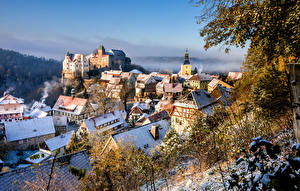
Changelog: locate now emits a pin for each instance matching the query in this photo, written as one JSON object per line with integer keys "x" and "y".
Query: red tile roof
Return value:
{"x": 69, "y": 103}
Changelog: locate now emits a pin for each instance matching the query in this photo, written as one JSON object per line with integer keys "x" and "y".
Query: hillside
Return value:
{"x": 24, "y": 75}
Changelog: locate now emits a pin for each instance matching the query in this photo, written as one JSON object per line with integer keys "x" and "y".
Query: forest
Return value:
{"x": 24, "y": 75}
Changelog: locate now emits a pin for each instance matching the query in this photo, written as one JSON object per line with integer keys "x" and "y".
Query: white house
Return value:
{"x": 29, "y": 133}
{"x": 113, "y": 121}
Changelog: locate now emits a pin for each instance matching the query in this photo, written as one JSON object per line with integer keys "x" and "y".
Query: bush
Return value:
{"x": 266, "y": 169}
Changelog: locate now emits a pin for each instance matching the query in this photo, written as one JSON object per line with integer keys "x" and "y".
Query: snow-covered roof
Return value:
{"x": 114, "y": 72}
{"x": 36, "y": 113}
{"x": 59, "y": 141}
{"x": 204, "y": 77}
{"x": 173, "y": 87}
{"x": 213, "y": 83}
{"x": 101, "y": 120}
{"x": 199, "y": 99}
{"x": 135, "y": 71}
{"x": 42, "y": 157}
{"x": 202, "y": 98}
{"x": 94, "y": 106}
{"x": 9, "y": 99}
{"x": 140, "y": 105}
{"x": 143, "y": 78}
{"x": 141, "y": 136}
{"x": 106, "y": 77}
{"x": 19, "y": 130}
{"x": 15, "y": 179}
{"x": 40, "y": 105}
{"x": 143, "y": 117}
{"x": 69, "y": 104}
{"x": 60, "y": 120}
{"x": 117, "y": 52}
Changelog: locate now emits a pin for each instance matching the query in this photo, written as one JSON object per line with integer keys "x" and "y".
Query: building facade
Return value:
{"x": 11, "y": 108}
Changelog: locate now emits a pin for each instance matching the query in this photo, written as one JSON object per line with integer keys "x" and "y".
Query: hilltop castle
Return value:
{"x": 79, "y": 66}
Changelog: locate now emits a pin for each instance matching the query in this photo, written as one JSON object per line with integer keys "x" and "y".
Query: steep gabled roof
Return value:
{"x": 194, "y": 77}
{"x": 199, "y": 99}
{"x": 69, "y": 104}
{"x": 9, "y": 99}
{"x": 213, "y": 84}
{"x": 141, "y": 136}
{"x": 202, "y": 98}
{"x": 59, "y": 141}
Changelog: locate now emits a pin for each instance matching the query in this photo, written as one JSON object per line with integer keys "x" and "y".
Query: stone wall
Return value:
{"x": 30, "y": 143}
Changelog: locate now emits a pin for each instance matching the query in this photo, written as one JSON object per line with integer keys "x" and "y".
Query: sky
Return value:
{"x": 50, "y": 28}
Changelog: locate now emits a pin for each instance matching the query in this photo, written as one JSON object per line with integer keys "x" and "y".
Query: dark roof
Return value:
{"x": 202, "y": 98}
{"x": 38, "y": 174}
{"x": 159, "y": 116}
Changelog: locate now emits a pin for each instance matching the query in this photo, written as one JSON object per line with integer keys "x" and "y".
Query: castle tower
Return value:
{"x": 186, "y": 67}
{"x": 101, "y": 50}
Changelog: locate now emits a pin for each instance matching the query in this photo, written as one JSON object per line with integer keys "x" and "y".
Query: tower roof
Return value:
{"x": 186, "y": 58}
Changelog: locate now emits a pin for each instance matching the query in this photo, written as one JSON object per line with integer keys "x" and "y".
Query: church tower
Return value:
{"x": 186, "y": 67}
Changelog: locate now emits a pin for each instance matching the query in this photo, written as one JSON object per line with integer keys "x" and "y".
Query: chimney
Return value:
{"x": 154, "y": 132}
{"x": 73, "y": 92}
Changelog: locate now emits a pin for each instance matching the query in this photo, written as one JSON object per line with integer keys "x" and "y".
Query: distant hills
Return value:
{"x": 25, "y": 75}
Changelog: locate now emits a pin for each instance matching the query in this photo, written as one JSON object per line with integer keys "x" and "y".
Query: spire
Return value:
{"x": 186, "y": 57}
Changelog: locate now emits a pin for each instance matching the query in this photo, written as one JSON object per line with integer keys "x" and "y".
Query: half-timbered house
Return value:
{"x": 185, "y": 111}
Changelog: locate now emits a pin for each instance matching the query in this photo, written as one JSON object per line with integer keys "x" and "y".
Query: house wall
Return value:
{"x": 30, "y": 143}
{"x": 182, "y": 118}
{"x": 75, "y": 69}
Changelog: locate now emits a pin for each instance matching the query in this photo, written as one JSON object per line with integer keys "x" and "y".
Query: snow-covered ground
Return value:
{"x": 187, "y": 177}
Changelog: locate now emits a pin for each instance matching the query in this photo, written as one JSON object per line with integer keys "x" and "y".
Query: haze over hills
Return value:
{"x": 172, "y": 63}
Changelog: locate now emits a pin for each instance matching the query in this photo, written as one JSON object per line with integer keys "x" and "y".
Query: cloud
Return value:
{"x": 56, "y": 47}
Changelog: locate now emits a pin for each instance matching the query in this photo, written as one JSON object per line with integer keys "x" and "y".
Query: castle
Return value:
{"x": 79, "y": 66}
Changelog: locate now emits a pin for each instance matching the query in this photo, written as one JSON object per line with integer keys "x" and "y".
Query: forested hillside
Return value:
{"x": 25, "y": 75}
